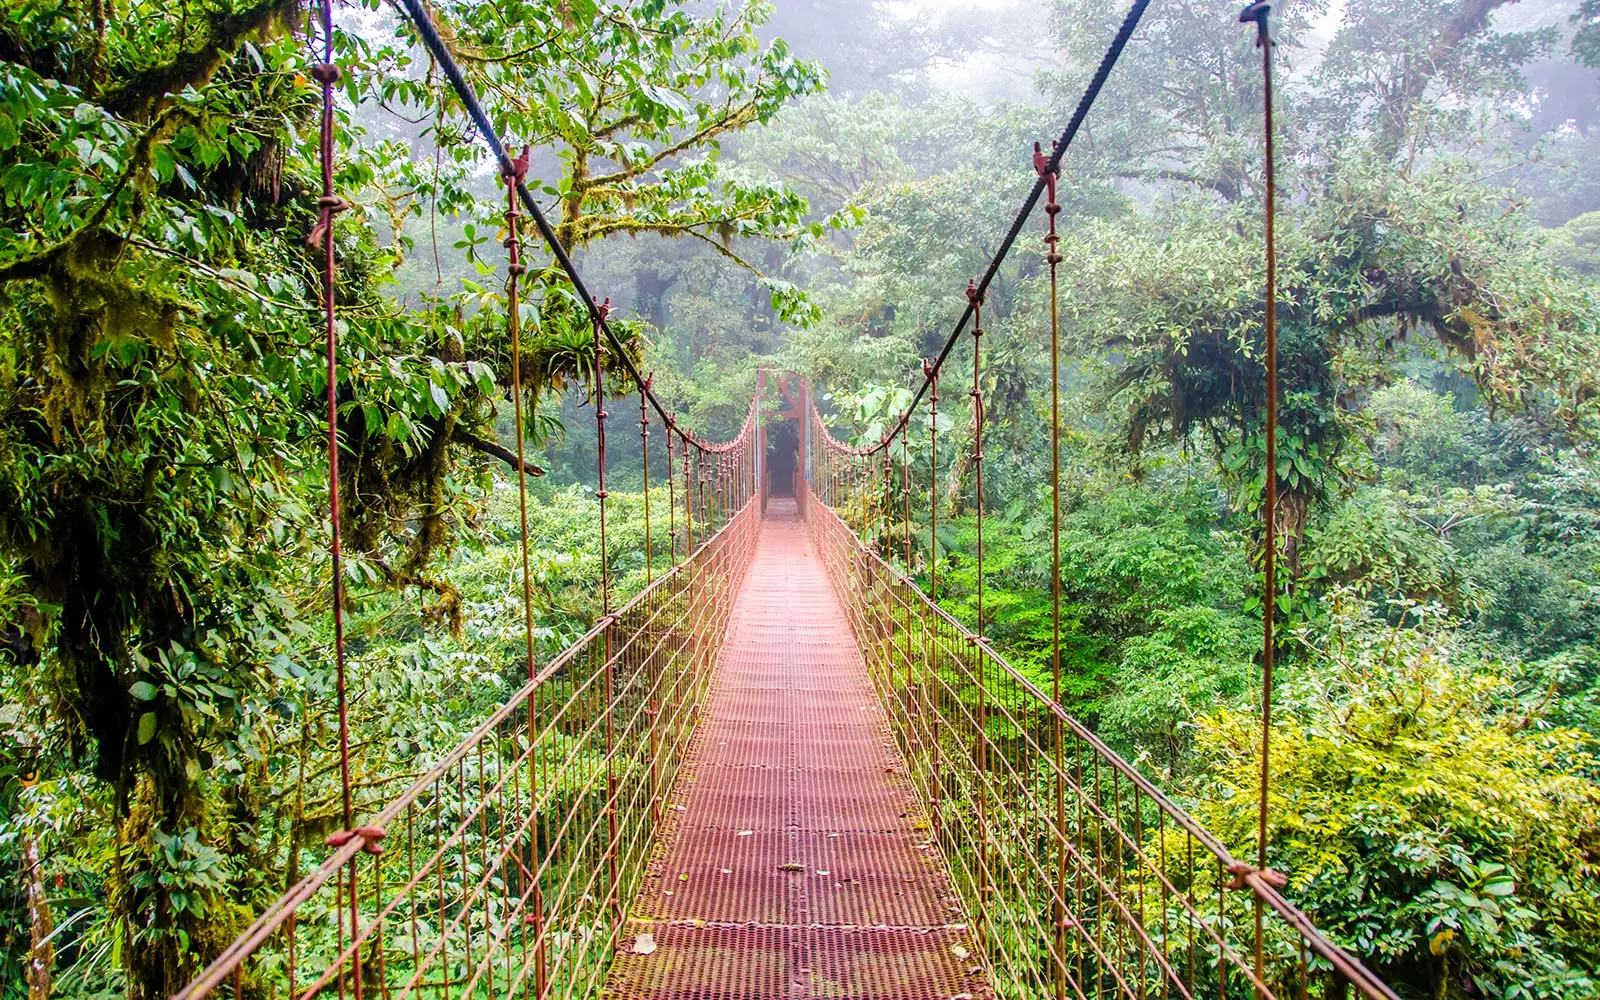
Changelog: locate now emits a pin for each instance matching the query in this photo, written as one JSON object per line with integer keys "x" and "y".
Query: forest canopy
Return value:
{"x": 806, "y": 185}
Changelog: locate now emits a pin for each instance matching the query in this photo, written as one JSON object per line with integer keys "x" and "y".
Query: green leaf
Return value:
{"x": 1500, "y": 887}
{"x": 147, "y": 727}
{"x": 143, "y": 691}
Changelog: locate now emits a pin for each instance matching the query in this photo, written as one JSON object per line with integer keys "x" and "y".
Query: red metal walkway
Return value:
{"x": 797, "y": 863}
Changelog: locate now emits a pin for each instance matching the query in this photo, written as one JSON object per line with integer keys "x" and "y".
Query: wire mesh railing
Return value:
{"x": 1082, "y": 879}
{"x": 506, "y": 868}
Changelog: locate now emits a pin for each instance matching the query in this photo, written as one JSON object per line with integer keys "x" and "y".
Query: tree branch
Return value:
{"x": 196, "y": 64}
{"x": 727, "y": 252}
{"x": 138, "y": 160}
{"x": 735, "y": 119}
{"x": 494, "y": 450}
{"x": 1227, "y": 189}
{"x": 1471, "y": 18}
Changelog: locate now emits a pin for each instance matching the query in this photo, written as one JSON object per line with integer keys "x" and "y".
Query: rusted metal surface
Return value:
{"x": 1115, "y": 892}
{"x": 504, "y": 867}
{"x": 799, "y": 864}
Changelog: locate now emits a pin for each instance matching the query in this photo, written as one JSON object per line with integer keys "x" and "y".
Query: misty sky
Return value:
{"x": 988, "y": 76}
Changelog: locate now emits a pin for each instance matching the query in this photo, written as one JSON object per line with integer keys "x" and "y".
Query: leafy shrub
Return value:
{"x": 1423, "y": 811}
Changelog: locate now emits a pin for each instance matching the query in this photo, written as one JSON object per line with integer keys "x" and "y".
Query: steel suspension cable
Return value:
{"x": 1058, "y": 151}
{"x": 417, "y": 13}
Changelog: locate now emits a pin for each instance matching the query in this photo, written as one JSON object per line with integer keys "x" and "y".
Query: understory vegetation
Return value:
{"x": 806, "y": 185}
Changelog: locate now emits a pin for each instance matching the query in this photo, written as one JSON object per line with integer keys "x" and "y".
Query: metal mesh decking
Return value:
{"x": 798, "y": 864}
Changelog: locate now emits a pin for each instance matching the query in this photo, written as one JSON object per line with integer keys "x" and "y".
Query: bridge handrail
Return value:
{"x": 332, "y": 868}
{"x": 1246, "y": 875}
{"x": 1353, "y": 970}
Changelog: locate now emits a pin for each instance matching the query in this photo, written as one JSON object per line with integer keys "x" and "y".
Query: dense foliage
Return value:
{"x": 163, "y": 494}
{"x": 1435, "y": 800}
{"x": 165, "y": 674}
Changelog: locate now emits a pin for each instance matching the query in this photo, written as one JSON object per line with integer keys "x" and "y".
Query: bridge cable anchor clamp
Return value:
{"x": 1241, "y": 872}
{"x": 1258, "y": 12}
{"x": 1041, "y": 164}
{"x": 328, "y": 205}
{"x": 370, "y": 837}
{"x": 514, "y": 172}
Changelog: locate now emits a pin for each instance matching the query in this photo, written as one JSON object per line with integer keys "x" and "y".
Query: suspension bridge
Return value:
{"x": 782, "y": 769}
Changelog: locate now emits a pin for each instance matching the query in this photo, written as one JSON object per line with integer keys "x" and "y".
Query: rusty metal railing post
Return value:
{"x": 1052, "y": 208}
{"x": 653, "y": 667}
{"x": 881, "y": 594}
{"x": 931, "y": 374}
{"x": 613, "y": 887}
{"x": 1259, "y": 13}
{"x": 321, "y": 238}
{"x": 688, "y": 501}
{"x": 514, "y": 270}
{"x": 905, "y": 498}
{"x": 981, "y": 750}
{"x": 672, "y": 498}
{"x": 644, "y": 452}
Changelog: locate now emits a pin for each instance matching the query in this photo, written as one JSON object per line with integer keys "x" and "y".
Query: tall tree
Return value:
{"x": 161, "y": 377}
{"x": 1387, "y": 231}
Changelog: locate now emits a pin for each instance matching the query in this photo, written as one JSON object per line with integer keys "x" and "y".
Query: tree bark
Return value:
{"x": 1470, "y": 19}
{"x": 491, "y": 448}
{"x": 41, "y": 951}
{"x": 140, "y": 94}
{"x": 1294, "y": 508}
{"x": 650, "y": 295}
